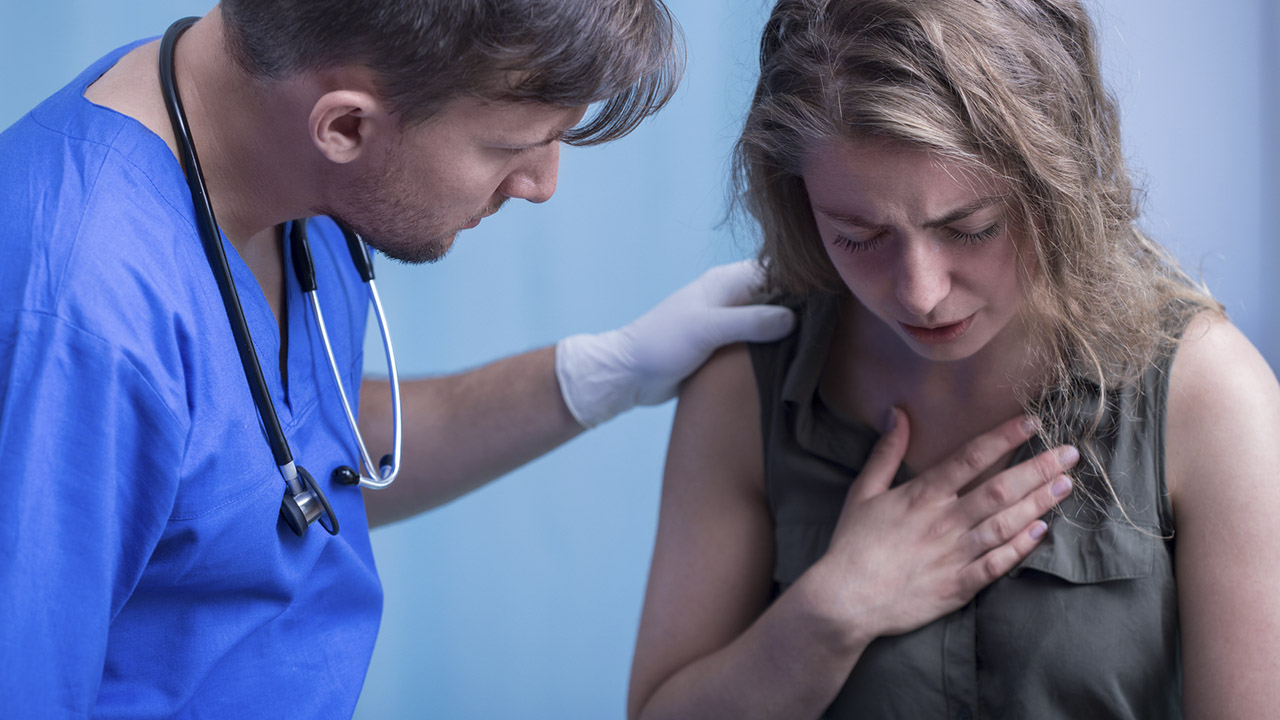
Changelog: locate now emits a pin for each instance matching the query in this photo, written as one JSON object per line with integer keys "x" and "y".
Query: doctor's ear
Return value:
{"x": 344, "y": 122}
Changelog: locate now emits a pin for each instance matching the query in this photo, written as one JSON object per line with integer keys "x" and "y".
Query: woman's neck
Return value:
{"x": 870, "y": 369}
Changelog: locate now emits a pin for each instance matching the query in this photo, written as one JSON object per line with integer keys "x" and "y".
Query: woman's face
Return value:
{"x": 925, "y": 246}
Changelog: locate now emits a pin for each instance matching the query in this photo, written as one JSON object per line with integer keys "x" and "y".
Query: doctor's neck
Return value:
{"x": 251, "y": 135}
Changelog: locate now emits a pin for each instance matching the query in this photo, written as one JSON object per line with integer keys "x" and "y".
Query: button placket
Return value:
{"x": 960, "y": 663}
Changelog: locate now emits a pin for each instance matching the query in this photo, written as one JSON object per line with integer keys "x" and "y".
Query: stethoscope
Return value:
{"x": 304, "y": 502}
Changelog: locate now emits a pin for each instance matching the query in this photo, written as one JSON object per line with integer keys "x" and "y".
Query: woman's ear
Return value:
{"x": 344, "y": 122}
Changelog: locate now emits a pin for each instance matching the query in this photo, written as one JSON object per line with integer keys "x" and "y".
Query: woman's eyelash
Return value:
{"x": 975, "y": 238}
{"x": 964, "y": 238}
{"x": 858, "y": 245}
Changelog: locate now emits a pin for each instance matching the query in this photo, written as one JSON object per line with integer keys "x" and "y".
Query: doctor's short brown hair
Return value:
{"x": 624, "y": 56}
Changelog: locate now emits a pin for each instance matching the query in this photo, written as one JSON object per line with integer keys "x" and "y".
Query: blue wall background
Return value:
{"x": 521, "y": 600}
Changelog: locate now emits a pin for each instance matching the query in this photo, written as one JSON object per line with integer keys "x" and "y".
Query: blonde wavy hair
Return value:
{"x": 1007, "y": 87}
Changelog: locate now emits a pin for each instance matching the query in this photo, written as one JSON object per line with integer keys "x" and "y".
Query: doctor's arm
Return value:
{"x": 1222, "y": 456}
{"x": 461, "y": 431}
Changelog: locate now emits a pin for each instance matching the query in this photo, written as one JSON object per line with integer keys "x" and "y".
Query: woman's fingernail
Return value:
{"x": 1068, "y": 456}
{"x": 891, "y": 420}
{"x": 1030, "y": 424}
{"x": 1038, "y": 529}
{"x": 1061, "y": 487}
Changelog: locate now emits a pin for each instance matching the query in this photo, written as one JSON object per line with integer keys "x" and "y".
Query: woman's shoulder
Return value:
{"x": 1223, "y": 401}
{"x": 720, "y": 380}
{"x": 1215, "y": 362}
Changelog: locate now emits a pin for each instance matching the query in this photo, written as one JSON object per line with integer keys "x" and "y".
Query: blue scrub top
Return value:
{"x": 142, "y": 564}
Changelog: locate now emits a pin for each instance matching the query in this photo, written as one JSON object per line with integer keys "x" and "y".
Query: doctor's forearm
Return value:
{"x": 461, "y": 431}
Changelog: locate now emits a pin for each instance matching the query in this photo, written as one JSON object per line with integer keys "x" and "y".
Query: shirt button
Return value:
{"x": 964, "y": 714}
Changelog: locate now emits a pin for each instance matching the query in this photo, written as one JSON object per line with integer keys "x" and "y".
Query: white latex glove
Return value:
{"x": 643, "y": 363}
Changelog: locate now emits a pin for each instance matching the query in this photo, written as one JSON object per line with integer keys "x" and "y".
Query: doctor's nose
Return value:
{"x": 534, "y": 178}
{"x": 923, "y": 278}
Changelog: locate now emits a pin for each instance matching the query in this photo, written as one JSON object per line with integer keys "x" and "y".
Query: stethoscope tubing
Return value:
{"x": 386, "y": 475}
{"x": 305, "y": 501}
{"x": 304, "y": 269}
{"x": 207, "y": 226}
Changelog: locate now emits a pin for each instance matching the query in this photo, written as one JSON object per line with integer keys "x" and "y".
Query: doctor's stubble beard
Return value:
{"x": 394, "y": 218}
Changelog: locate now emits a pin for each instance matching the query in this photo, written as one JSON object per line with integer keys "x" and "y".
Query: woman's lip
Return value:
{"x": 940, "y": 334}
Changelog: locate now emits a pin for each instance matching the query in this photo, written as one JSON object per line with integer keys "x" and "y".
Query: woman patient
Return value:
{"x": 1013, "y": 463}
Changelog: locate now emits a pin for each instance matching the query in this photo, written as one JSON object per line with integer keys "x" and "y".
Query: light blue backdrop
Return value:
{"x": 521, "y": 600}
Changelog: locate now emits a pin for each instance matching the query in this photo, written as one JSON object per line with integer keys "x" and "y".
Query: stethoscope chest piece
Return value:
{"x": 298, "y": 510}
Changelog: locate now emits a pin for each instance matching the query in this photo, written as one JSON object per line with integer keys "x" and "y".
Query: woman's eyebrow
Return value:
{"x": 965, "y": 211}
{"x": 847, "y": 219}
{"x": 958, "y": 214}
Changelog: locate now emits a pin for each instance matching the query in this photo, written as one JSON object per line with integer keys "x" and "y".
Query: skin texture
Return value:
{"x": 710, "y": 644}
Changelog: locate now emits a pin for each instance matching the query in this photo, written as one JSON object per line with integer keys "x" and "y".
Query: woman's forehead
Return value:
{"x": 897, "y": 177}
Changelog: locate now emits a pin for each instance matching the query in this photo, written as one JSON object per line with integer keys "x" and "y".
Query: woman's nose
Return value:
{"x": 923, "y": 277}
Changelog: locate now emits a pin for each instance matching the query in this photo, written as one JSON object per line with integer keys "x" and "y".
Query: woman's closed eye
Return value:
{"x": 858, "y": 245}
{"x": 974, "y": 238}
{"x": 872, "y": 242}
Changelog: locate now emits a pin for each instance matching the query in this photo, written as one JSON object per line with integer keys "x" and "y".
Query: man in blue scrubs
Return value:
{"x": 143, "y": 565}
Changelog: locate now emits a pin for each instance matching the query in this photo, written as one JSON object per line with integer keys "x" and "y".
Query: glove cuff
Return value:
{"x": 594, "y": 381}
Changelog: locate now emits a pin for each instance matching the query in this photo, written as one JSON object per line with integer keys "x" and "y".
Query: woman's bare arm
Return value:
{"x": 1222, "y": 454}
{"x": 712, "y": 569}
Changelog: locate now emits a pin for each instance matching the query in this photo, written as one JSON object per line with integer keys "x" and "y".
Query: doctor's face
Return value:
{"x": 449, "y": 173}
{"x": 925, "y": 246}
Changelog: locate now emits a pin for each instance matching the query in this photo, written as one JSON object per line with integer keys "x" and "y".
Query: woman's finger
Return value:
{"x": 998, "y": 561}
{"x": 877, "y": 475}
{"x": 1009, "y": 486}
{"x": 1005, "y": 525}
{"x": 979, "y": 454}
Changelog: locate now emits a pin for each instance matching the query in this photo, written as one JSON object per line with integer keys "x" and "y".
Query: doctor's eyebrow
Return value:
{"x": 554, "y": 137}
{"x": 959, "y": 213}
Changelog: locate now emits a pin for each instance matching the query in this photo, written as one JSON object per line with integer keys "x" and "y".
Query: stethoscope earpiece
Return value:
{"x": 346, "y": 475}
{"x": 298, "y": 510}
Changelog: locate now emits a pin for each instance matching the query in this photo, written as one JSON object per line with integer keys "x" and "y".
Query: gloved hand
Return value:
{"x": 643, "y": 363}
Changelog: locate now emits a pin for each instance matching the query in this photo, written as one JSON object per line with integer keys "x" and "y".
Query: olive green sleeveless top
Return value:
{"x": 1085, "y": 627}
